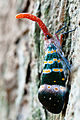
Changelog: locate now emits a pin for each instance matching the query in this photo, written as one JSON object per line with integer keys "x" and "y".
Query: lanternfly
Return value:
{"x": 53, "y": 88}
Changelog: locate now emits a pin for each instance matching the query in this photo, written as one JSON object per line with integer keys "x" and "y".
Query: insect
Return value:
{"x": 53, "y": 88}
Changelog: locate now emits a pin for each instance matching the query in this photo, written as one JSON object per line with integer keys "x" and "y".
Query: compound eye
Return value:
{"x": 48, "y": 36}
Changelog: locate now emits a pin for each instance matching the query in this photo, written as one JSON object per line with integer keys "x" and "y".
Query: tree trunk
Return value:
{"x": 22, "y": 53}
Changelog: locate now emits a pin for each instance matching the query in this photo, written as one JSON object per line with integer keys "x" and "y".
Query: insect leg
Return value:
{"x": 61, "y": 29}
{"x": 60, "y": 41}
{"x": 65, "y": 60}
{"x": 69, "y": 31}
{"x": 62, "y": 34}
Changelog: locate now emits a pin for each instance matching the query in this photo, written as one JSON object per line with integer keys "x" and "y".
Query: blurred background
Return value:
{"x": 21, "y": 57}
{"x": 16, "y": 61}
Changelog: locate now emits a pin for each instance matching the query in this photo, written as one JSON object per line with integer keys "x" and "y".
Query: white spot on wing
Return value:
{"x": 50, "y": 98}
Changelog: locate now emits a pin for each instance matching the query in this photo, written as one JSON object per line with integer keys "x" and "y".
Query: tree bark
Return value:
{"x": 22, "y": 53}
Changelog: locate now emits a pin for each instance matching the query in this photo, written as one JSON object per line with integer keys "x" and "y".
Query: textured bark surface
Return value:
{"x": 21, "y": 57}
